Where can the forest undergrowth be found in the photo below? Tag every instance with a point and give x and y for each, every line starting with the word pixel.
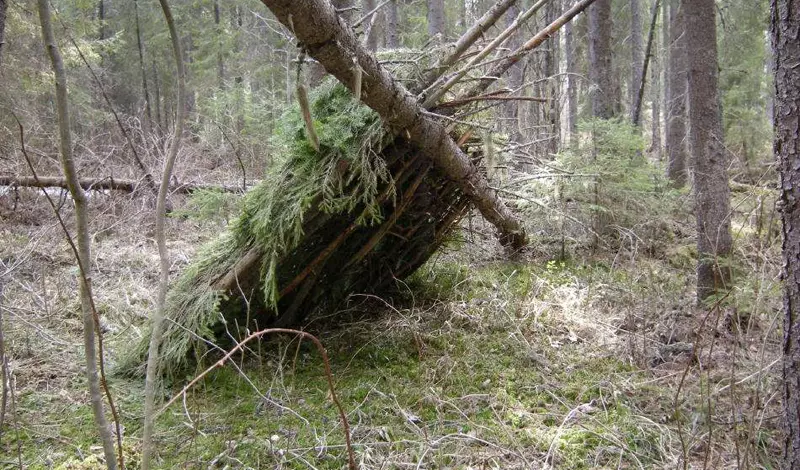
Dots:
pixel 596 359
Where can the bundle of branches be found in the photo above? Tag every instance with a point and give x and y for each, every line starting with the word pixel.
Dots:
pixel 363 198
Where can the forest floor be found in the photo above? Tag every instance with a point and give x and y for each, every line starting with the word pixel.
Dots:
pixel 600 360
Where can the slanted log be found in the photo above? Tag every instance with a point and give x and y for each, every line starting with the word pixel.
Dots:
pixel 325 37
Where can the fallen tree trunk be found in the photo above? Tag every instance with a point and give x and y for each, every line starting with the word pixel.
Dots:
pixel 109 183
pixel 334 45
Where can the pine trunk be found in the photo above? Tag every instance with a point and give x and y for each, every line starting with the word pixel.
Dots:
pixel 392 40
pixel 636 56
pixel 785 30
pixel 676 98
pixel 600 71
pixel 3 7
pixel 712 193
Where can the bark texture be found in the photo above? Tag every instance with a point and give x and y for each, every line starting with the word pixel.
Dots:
pixel 572 86
pixel 3 7
pixel 712 193
pixel 516 77
pixel 637 54
pixel 392 40
pixel 334 45
pixel 84 243
pixel 785 33
pixel 676 98
pixel 600 71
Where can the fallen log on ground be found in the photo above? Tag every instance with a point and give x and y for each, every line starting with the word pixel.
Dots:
pixel 111 184
pixel 382 193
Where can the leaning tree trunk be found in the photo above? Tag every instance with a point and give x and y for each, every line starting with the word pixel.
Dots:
pixel 712 194
pixel 326 39
pixel 600 71
pixel 785 29
pixel 676 97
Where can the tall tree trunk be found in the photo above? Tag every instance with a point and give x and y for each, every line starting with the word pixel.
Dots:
pixel 101 17
pixel 83 235
pixel 514 81
pixel 784 30
pixel 600 70
pixel 636 55
pixel 157 331
pixel 676 97
pixel 552 110
pixel 157 101
pixel 436 23
pixel 655 100
pixel 140 47
pixel 712 194
pixel 572 77
pixel 3 7
pixel 334 46
pixel 220 60
pixel 392 40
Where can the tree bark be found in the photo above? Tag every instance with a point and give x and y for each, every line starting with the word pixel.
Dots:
pixel 101 16
pixel 636 56
pixel 140 47
pixel 600 71
pixel 516 77
pixel 436 20
pixel 83 235
pixel 109 184
pixel 784 32
pixel 676 97
pixel 655 100
pixel 220 60
pixel 712 193
pixel 3 7
pixel 572 88
pixel 638 98
pixel 332 44
pixel 157 330
pixel 392 40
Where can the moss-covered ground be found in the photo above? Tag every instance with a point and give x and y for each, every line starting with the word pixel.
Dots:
pixel 478 361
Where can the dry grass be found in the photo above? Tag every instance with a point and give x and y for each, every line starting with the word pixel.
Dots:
pixel 476 362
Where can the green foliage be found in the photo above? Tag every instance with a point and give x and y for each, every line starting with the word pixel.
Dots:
pixel 745 82
pixel 208 204
pixel 607 185
pixel 345 174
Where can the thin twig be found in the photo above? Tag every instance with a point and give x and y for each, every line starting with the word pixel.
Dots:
pixel 328 377
pixel 88 286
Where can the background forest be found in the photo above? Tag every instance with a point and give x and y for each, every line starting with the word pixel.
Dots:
pixel 594 346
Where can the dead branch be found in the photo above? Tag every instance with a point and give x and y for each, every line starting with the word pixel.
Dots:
pixel 108 184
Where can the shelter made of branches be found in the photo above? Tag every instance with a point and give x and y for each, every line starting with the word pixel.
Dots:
pixel 364 210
